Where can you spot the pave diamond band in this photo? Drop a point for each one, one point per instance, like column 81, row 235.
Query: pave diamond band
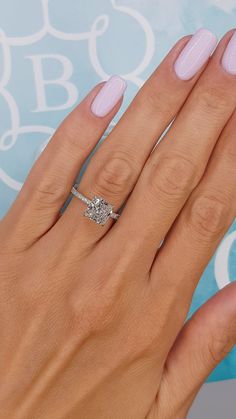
column 98, row 209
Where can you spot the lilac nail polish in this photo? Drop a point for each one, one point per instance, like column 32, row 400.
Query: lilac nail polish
column 195, row 54
column 108, row 96
column 229, row 57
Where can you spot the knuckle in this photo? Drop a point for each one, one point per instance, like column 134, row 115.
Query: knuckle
column 32, row 297
column 70, row 141
column 100, row 309
column 96, row 314
column 172, row 176
column 115, row 175
column 142, row 347
column 209, row 217
column 212, row 99
column 229, row 149
column 71, row 144
column 48, row 191
column 219, row 347
column 152, row 101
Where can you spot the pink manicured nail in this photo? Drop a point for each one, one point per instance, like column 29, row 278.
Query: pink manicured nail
column 195, row 54
column 229, row 57
column 108, row 96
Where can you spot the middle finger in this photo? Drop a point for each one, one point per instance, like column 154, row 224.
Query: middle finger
column 178, row 163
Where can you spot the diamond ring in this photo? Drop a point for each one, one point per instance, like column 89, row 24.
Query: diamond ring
column 98, row 209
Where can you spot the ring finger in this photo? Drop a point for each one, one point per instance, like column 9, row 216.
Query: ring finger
column 116, row 166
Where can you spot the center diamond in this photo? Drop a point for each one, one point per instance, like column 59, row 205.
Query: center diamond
column 98, row 210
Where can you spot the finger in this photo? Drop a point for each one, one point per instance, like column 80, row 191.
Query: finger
column 203, row 222
column 178, row 163
column 116, row 166
column 49, row 183
column 204, row 341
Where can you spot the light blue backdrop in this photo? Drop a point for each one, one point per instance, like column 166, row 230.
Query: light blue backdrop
column 53, row 51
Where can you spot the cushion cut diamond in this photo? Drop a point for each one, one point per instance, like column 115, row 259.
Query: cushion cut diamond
column 98, row 210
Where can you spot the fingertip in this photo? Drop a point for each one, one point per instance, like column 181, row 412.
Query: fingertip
column 108, row 96
column 195, row 54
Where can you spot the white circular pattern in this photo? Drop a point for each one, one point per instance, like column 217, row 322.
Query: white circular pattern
column 99, row 27
column 222, row 261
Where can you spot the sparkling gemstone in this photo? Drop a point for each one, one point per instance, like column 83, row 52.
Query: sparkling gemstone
column 98, row 210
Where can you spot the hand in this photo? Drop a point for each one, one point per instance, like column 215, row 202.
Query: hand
column 93, row 318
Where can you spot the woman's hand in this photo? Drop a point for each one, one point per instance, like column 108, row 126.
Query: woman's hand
column 92, row 318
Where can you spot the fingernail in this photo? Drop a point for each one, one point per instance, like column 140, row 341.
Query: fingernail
column 195, row 54
column 229, row 57
column 108, row 96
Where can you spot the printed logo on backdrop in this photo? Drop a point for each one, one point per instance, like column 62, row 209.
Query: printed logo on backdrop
column 63, row 80
column 25, row 121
